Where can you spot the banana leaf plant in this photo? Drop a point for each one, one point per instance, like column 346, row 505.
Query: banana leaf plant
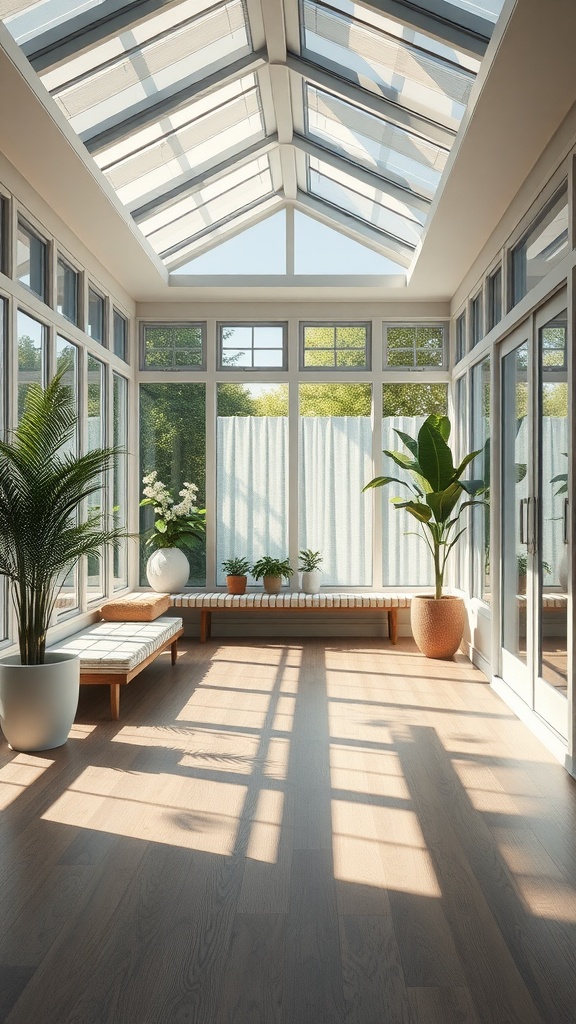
column 437, row 489
column 46, row 523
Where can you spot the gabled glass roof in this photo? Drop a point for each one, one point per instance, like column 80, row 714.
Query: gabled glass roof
column 201, row 134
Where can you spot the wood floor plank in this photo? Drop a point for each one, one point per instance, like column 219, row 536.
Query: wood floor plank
column 374, row 982
column 443, row 1006
column 253, row 984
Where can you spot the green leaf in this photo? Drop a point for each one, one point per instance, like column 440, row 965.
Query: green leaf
column 402, row 460
column 381, row 481
column 472, row 486
column 410, row 442
column 466, row 461
column 420, row 512
column 443, row 502
column 160, row 526
column 434, row 456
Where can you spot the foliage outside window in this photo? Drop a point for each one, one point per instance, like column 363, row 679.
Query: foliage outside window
column 421, row 346
column 541, row 248
column 173, row 442
column 252, row 346
column 336, row 346
column 96, row 316
column 173, row 346
column 67, row 291
column 120, row 334
column 31, row 260
column 405, row 407
column 31, row 356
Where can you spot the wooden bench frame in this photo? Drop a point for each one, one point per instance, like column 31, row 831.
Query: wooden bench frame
column 206, row 615
column 117, row 679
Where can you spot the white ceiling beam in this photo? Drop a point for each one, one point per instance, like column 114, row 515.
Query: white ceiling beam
column 289, row 177
column 78, row 34
column 282, row 99
column 275, row 29
column 374, row 104
column 442, row 21
column 133, row 120
column 336, row 219
column 392, row 188
column 199, row 181
column 222, row 232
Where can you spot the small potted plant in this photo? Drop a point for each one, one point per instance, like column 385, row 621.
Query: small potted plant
column 311, row 573
column 272, row 571
column 236, row 570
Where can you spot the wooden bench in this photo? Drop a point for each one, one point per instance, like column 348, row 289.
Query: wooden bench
column 348, row 604
column 113, row 653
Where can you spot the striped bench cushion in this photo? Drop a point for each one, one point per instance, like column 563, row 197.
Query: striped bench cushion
column 290, row 600
column 118, row 646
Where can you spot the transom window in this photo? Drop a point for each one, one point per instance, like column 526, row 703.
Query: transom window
column 173, row 346
column 96, row 316
column 67, row 290
column 247, row 346
column 32, row 260
column 417, row 346
column 336, row 346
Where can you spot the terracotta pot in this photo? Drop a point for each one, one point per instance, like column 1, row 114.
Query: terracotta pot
column 437, row 624
column 236, row 584
column 272, row 584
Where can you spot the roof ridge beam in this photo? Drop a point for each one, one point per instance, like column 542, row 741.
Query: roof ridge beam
column 359, row 231
column 392, row 187
column 198, row 181
column 136, row 118
column 465, row 31
column 374, row 103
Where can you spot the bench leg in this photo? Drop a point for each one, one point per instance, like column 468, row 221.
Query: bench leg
column 174, row 651
column 393, row 624
column 205, row 625
column 115, row 701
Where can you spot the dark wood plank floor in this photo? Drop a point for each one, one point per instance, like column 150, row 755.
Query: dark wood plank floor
column 313, row 832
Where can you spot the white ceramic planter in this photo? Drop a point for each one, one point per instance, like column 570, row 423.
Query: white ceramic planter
column 38, row 702
column 312, row 581
column 167, row 570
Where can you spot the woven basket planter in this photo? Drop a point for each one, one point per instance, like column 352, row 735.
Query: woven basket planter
column 437, row 624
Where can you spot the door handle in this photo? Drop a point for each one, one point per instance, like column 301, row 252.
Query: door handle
column 566, row 503
column 523, row 502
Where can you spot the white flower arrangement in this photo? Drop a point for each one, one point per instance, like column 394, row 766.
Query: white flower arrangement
column 178, row 524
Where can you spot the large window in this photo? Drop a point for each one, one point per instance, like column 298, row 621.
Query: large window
column 542, row 247
column 31, row 356
column 96, row 439
column 335, row 462
column 31, row 260
column 67, row 364
column 421, row 347
column 67, row 290
column 338, row 346
column 3, row 594
column 246, row 346
column 173, row 346
column 406, row 561
column 251, row 472
column 173, row 442
column 120, row 477
column 480, row 535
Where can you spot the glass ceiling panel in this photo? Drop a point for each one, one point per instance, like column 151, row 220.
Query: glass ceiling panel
column 181, row 153
column 124, row 71
column 370, row 204
column 409, row 160
column 489, row 9
column 25, row 19
column 404, row 73
column 198, row 212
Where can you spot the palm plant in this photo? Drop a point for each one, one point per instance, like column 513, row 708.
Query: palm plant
column 43, row 487
column 437, row 488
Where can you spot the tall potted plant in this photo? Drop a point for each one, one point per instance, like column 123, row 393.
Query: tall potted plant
column 178, row 526
column 44, row 488
column 437, row 489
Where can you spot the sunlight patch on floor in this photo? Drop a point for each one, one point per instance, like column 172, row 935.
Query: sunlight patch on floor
column 265, row 827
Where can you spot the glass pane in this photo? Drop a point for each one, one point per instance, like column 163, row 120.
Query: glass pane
column 67, row 291
column 514, row 501
column 173, row 442
column 335, row 463
column 553, row 553
column 489, row 9
column 251, row 473
column 408, row 159
column 120, row 335
column 120, row 477
column 171, row 346
column 96, row 438
column 370, row 204
column 3, row 590
column 541, row 249
column 476, row 317
column 415, row 346
column 31, row 356
column 460, row 337
column 480, row 520
column 28, row 19
column 95, row 316
column 494, row 299
column 406, row 559
column 67, row 364
column 31, row 261
column 258, row 346
column 336, row 346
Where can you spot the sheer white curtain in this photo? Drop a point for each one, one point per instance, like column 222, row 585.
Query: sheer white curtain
column 406, row 559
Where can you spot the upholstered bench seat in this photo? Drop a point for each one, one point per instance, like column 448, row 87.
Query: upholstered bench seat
column 114, row 653
column 208, row 603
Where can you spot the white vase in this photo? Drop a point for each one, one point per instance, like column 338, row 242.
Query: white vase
column 167, row 570
column 38, row 702
column 311, row 581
